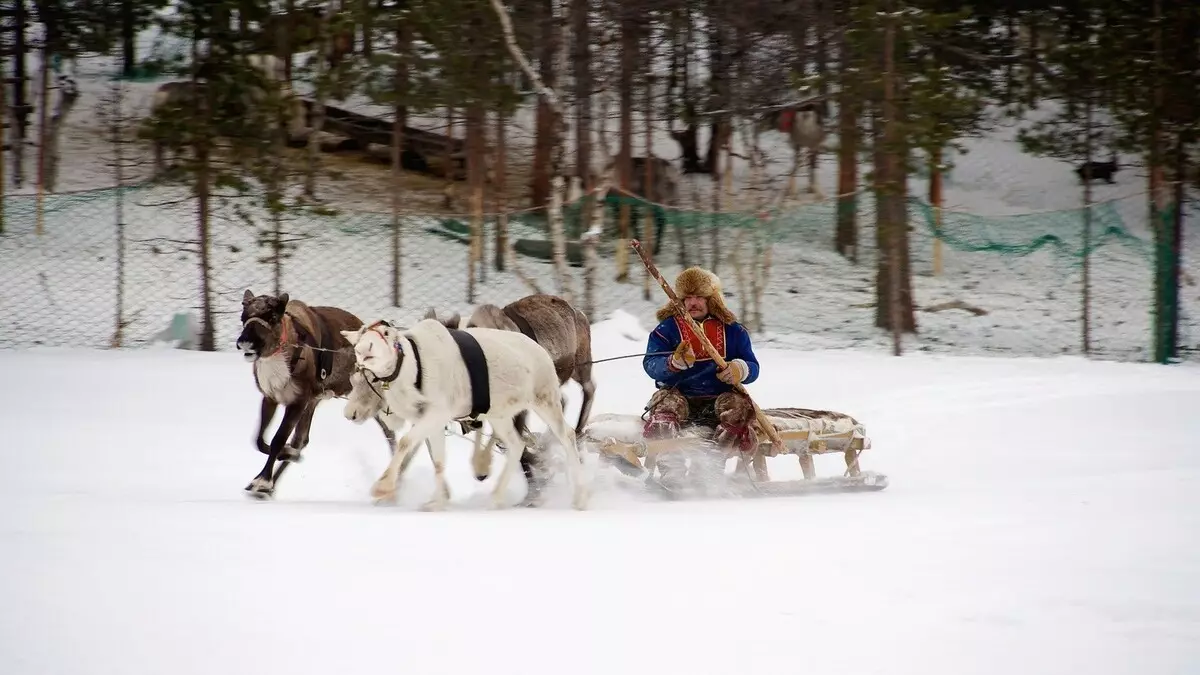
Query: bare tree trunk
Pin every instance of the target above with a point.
(557, 236)
(367, 14)
(448, 187)
(285, 40)
(5, 136)
(66, 101)
(893, 290)
(118, 118)
(503, 252)
(547, 124)
(320, 91)
(590, 238)
(648, 210)
(1160, 202)
(1087, 229)
(208, 329)
(849, 112)
(20, 105)
(935, 200)
(629, 56)
(128, 39)
(43, 105)
(475, 119)
(581, 59)
(399, 119)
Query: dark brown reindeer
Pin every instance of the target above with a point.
(300, 359)
(565, 333)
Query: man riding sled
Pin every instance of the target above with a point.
(691, 388)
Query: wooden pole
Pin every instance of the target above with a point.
(766, 425)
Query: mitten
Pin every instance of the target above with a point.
(734, 372)
(683, 357)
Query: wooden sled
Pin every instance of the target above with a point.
(805, 433)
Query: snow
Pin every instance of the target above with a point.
(1040, 517)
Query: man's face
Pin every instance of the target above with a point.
(696, 306)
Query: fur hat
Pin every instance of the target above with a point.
(700, 282)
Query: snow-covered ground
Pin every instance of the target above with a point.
(1040, 518)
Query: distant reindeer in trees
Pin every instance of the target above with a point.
(804, 125)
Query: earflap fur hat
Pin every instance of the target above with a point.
(702, 283)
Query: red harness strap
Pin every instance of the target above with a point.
(283, 336)
(786, 118)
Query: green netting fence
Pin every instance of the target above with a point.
(1024, 271)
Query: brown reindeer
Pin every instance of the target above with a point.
(300, 359)
(565, 333)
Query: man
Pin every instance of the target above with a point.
(691, 388)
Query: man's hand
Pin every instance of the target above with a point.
(683, 357)
(734, 372)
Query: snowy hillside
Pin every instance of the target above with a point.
(1027, 527)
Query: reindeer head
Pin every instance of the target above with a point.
(453, 321)
(262, 325)
(377, 347)
(364, 401)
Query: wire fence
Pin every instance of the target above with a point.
(122, 267)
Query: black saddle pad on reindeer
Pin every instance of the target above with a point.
(477, 372)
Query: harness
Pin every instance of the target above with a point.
(416, 355)
(477, 371)
(473, 359)
(324, 355)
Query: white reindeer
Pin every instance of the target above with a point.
(521, 377)
(804, 126)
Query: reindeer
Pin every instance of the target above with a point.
(435, 375)
(565, 333)
(299, 360)
(804, 125)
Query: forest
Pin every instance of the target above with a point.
(890, 88)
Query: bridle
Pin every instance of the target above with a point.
(369, 376)
(283, 332)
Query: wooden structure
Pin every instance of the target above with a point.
(423, 151)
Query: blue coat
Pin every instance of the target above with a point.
(701, 378)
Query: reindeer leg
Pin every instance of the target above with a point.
(266, 412)
(791, 186)
(558, 426)
(423, 428)
(503, 428)
(481, 457)
(584, 378)
(441, 493)
(263, 485)
(291, 451)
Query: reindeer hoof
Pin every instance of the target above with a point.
(481, 477)
(260, 489)
(434, 505)
(580, 501)
(383, 489)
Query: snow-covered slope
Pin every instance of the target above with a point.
(1030, 524)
